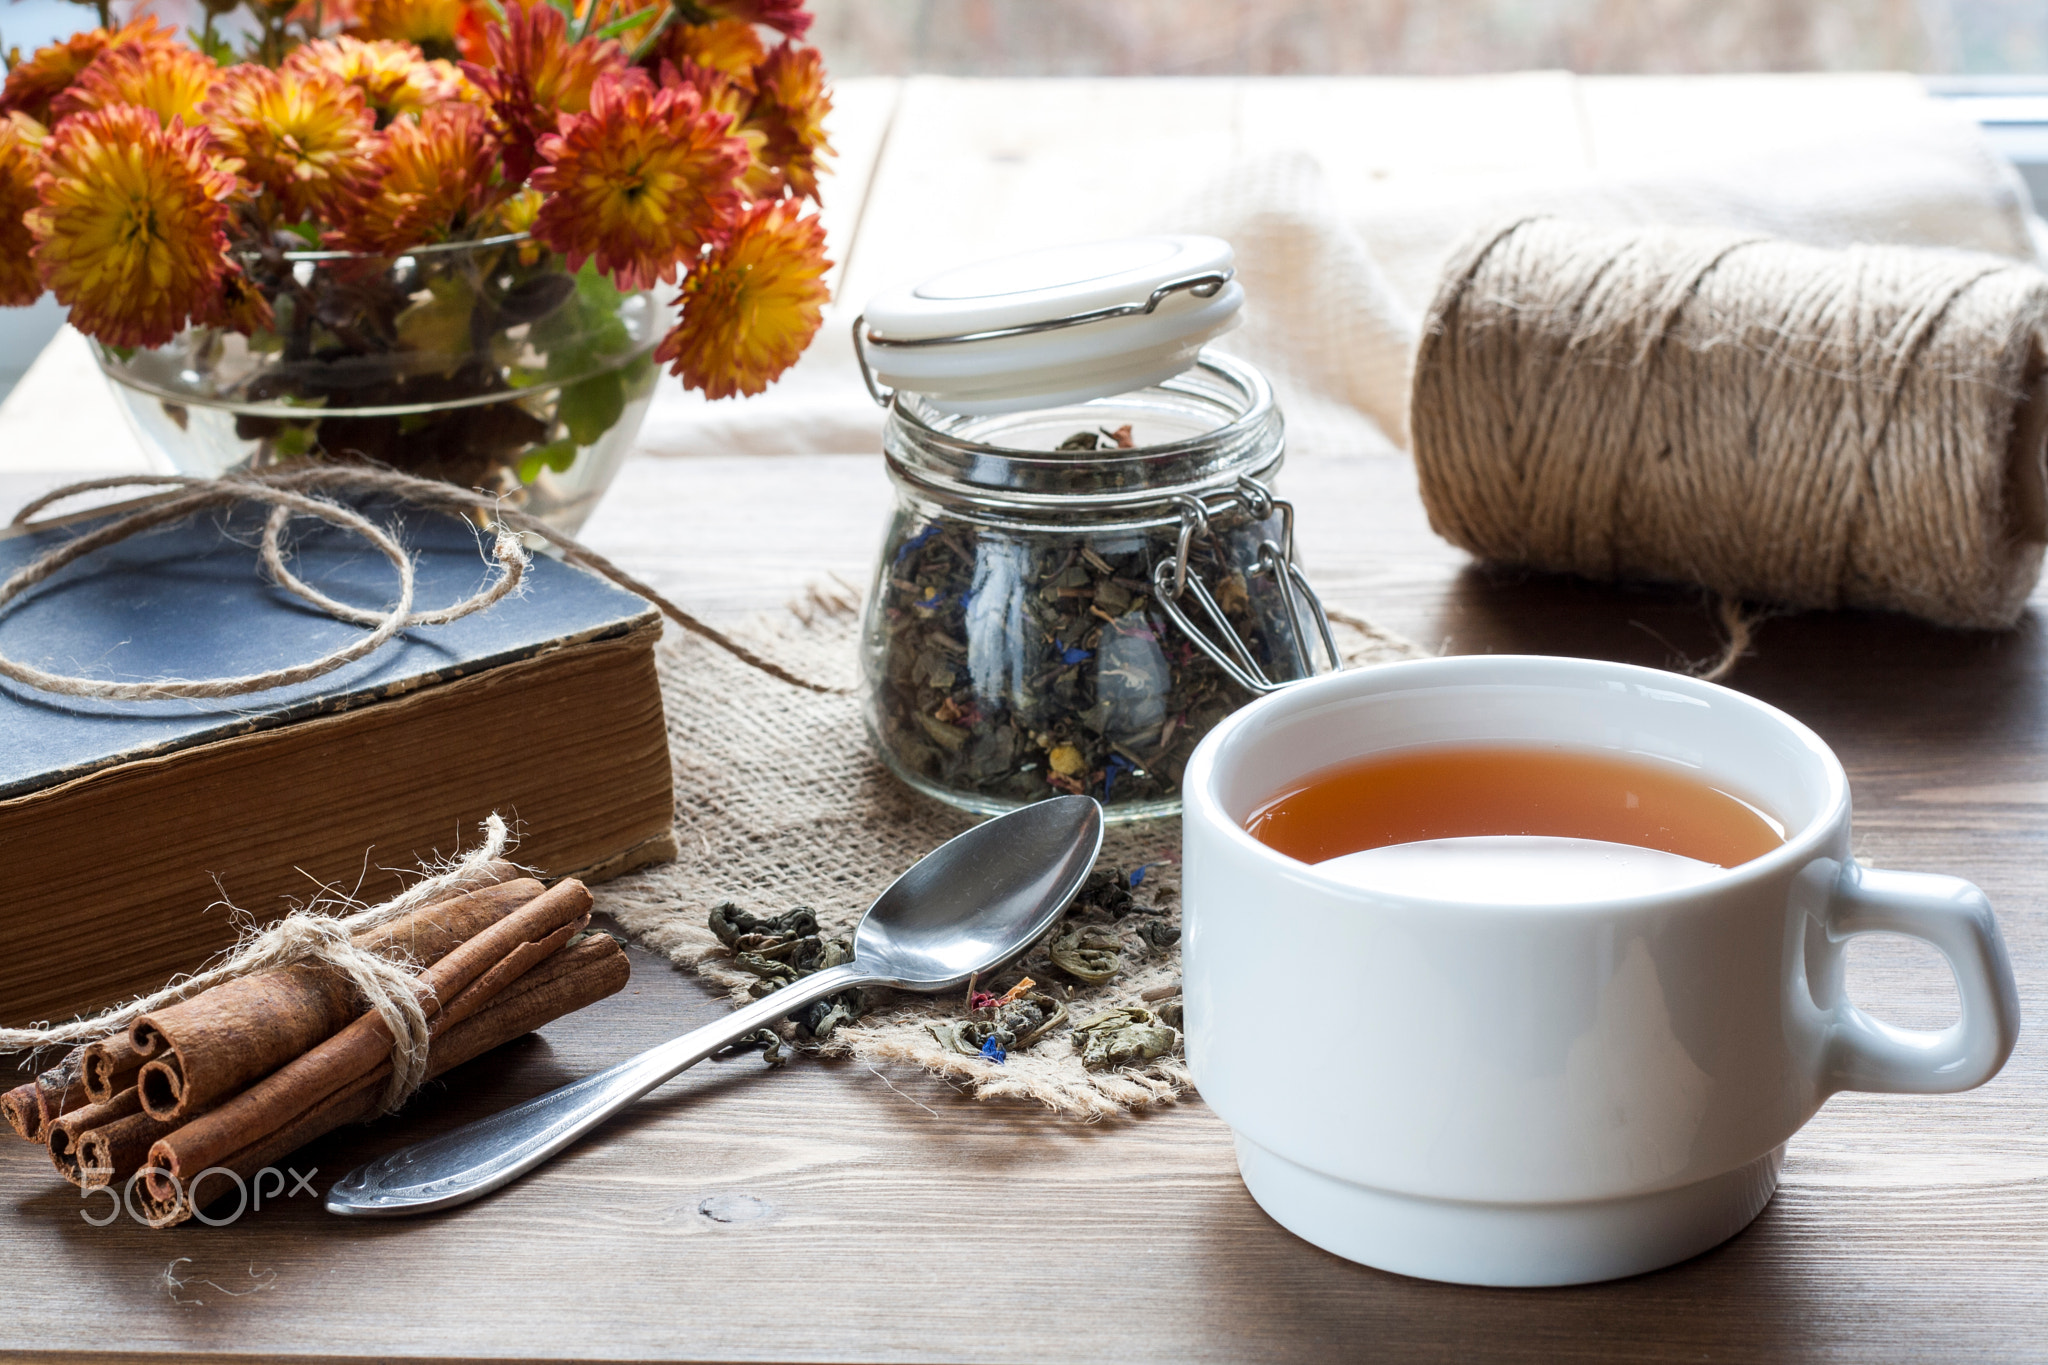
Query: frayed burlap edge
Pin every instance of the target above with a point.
(780, 803)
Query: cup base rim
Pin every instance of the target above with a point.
(1507, 1245)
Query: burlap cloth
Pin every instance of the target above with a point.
(781, 803)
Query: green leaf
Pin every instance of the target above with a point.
(555, 455)
(618, 26)
(638, 377)
(590, 407)
(309, 233)
(295, 441)
(213, 45)
(439, 325)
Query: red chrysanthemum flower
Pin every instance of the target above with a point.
(130, 228)
(172, 82)
(730, 47)
(34, 83)
(640, 182)
(436, 176)
(790, 111)
(784, 16)
(393, 77)
(303, 136)
(752, 305)
(21, 161)
(535, 75)
(436, 27)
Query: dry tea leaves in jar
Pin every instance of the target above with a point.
(1012, 657)
(1085, 571)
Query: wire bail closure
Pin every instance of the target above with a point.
(1172, 580)
(1202, 286)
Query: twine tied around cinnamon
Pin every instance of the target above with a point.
(309, 492)
(1774, 422)
(312, 935)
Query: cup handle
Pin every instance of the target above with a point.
(1865, 1053)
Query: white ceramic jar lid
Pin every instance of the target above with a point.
(1057, 325)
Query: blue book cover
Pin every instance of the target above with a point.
(191, 601)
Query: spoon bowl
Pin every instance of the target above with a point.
(981, 898)
(968, 907)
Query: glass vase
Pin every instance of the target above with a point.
(487, 364)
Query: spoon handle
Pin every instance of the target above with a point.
(478, 1157)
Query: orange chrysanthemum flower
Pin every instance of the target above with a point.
(435, 178)
(790, 111)
(721, 96)
(752, 305)
(784, 16)
(33, 84)
(172, 82)
(393, 77)
(21, 142)
(303, 136)
(535, 75)
(130, 228)
(730, 47)
(436, 27)
(640, 182)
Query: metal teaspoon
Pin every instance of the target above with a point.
(966, 908)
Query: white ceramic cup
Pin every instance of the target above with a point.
(1524, 1095)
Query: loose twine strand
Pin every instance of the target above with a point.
(1779, 424)
(386, 985)
(309, 492)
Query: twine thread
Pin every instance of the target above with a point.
(1777, 423)
(310, 492)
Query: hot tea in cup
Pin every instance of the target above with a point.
(1505, 824)
(1522, 971)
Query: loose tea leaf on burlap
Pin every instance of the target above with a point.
(1121, 1037)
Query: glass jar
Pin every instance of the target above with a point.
(1069, 598)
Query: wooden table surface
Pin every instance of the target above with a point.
(833, 1212)
(830, 1212)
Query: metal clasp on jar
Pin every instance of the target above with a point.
(1173, 580)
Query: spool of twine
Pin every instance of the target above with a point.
(1778, 423)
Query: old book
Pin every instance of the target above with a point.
(130, 828)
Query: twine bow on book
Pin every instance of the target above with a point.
(312, 491)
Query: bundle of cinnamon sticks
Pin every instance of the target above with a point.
(240, 1075)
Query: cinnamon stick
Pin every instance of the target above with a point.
(289, 1094)
(64, 1133)
(220, 1040)
(18, 1106)
(109, 1066)
(568, 981)
(110, 1153)
(30, 1108)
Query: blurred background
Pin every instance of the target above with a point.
(1989, 55)
(1427, 37)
